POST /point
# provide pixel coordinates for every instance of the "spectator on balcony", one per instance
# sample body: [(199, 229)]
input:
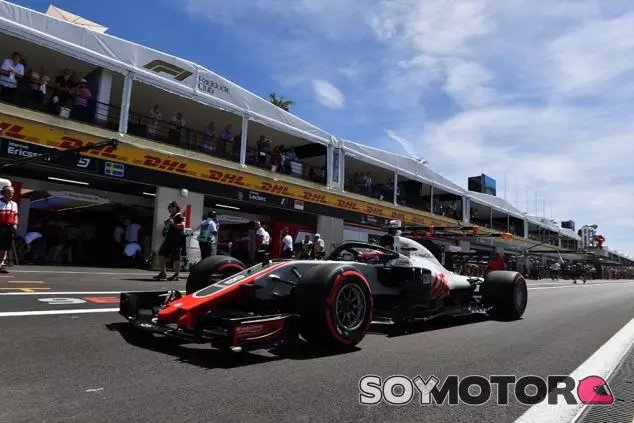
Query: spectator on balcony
[(11, 71), (63, 87), (81, 98), (264, 151), (367, 183), (289, 157), (209, 140), (39, 85), (179, 123), (226, 140), (156, 116)]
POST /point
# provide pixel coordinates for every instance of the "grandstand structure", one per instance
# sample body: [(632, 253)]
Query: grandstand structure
[(344, 183)]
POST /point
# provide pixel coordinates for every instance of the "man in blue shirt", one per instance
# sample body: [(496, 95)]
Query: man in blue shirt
[(207, 236)]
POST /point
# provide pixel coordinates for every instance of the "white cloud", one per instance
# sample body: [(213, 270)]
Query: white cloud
[(328, 95), (542, 91)]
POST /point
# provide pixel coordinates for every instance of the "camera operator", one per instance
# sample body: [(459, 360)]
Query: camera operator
[(8, 224)]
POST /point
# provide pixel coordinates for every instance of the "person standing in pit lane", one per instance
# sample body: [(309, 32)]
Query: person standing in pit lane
[(8, 224), (319, 247), (207, 236), (287, 244), (262, 241), (307, 248), (174, 233)]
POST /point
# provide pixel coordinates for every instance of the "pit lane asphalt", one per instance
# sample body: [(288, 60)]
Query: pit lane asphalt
[(89, 367)]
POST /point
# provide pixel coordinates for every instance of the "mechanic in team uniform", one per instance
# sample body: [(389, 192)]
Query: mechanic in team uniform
[(8, 224), (207, 236), (262, 242), (496, 263), (174, 233), (319, 248), (307, 248), (287, 244)]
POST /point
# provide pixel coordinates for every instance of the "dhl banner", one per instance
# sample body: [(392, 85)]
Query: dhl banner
[(51, 137)]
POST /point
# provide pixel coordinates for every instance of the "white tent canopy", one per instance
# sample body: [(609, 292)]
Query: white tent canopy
[(63, 15), (406, 166)]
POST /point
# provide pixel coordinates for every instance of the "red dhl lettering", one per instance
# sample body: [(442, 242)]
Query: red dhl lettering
[(375, 210), (105, 151), (274, 188), (315, 198), (165, 164), (396, 215), (216, 175), (68, 143), (12, 131), (347, 204)]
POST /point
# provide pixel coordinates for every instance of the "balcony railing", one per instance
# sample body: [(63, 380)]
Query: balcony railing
[(107, 116)]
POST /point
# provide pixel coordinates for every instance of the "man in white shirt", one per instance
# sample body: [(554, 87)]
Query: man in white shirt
[(287, 244), (319, 247), (11, 70), (262, 241)]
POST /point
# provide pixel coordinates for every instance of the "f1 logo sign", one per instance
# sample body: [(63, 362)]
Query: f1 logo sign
[(159, 66)]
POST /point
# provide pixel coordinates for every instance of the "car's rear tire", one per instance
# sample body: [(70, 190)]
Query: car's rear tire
[(506, 292), (211, 270), (334, 303)]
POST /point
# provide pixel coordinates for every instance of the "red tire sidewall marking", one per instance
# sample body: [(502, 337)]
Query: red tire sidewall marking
[(230, 265), (331, 297)]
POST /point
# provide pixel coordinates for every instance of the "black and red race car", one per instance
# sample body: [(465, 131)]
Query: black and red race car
[(328, 302)]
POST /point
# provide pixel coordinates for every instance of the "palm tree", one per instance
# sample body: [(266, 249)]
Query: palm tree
[(280, 102)]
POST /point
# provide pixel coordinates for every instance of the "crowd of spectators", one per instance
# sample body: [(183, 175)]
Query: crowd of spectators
[(26, 87)]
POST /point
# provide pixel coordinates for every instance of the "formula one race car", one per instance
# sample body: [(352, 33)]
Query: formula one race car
[(328, 302)]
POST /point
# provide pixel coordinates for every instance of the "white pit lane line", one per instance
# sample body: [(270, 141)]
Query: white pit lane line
[(602, 363), (53, 312)]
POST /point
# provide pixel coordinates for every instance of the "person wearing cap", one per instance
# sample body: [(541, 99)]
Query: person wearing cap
[(81, 98), (207, 235), (319, 247)]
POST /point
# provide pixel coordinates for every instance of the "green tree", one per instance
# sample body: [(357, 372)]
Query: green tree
[(280, 102)]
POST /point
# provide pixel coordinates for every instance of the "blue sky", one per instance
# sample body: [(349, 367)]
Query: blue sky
[(540, 91)]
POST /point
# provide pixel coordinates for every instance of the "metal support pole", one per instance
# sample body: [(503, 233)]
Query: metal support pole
[(342, 169), (431, 199), (125, 103), (329, 167), (243, 139), (395, 187)]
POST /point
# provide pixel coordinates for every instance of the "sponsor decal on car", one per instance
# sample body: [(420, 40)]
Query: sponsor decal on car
[(249, 329)]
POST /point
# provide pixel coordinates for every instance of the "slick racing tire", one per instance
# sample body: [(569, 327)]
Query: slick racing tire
[(334, 303), (506, 293), (211, 270)]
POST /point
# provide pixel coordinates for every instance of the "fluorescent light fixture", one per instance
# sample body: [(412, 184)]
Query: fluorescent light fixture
[(150, 194), (70, 181), (227, 207)]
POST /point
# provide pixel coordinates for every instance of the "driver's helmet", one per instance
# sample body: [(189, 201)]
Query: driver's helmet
[(370, 256)]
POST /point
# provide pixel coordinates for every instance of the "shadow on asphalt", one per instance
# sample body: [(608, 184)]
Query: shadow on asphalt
[(443, 322), (210, 358)]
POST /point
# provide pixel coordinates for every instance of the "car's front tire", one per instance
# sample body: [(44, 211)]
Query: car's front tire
[(211, 270), (334, 302), (506, 292)]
